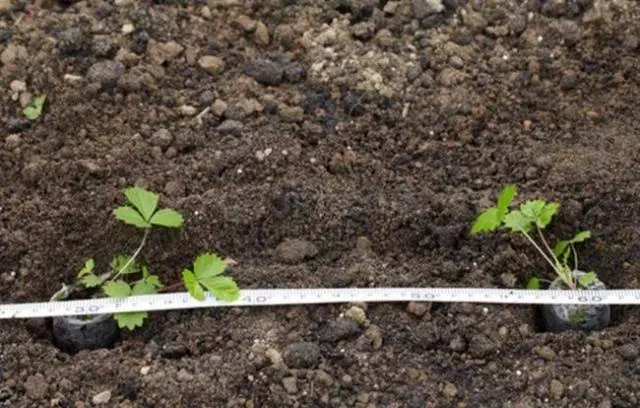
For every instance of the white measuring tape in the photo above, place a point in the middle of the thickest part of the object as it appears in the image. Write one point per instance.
(276, 297)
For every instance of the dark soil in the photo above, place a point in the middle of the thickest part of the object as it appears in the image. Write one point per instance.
(373, 130)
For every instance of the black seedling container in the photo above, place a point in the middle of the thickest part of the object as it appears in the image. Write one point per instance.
(74, 333)
(559, 318)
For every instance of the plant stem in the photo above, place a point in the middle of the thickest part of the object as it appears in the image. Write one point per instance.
(135, 254)
(555, 267)
(546, 245)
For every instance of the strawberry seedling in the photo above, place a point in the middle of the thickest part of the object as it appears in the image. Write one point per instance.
(127, 277)
(530, 219)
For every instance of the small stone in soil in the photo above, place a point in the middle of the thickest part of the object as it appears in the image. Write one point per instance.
(293, 251)
(480, 346)
(264, 71)
(36, 387)
(162, 138)
(301, 355)
(211, 64)
(546, 353)
(102, 398)
(556, 389)
(230, 126)
(339, 330)
(357, 315)
(106, 73)
(274, 356)
(418, 308)
(71, 41)
(628, 352)
(450, 391)
(290, 385)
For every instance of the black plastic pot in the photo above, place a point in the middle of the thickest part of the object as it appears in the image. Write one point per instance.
(72, 334)
(559, 318)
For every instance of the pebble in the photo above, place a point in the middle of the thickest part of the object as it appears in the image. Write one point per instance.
(36, 387)
(187, 110)
(159, 53)
(339, 330)
(18, 86)
(219, 107)
(546, 353)
(291, 113)
(294, 251)
(71, 41)
(556, 389)
(261, 35)
(13, 53)
(12, 141)
(128, 28)
(162, 138)
(480, 346)
(211, 64)
(628, 352)
(102, 46)
(418, 308)
(245, 23)
(450, 391)
(145, 370)
(102, 398)
(357, 315)
(184, 375)
(230, 126)
(424, 8)
(322, 379)
(106, 73)
(374, 334)
(301, 355)
(264, 71)
(290, 385)
(274, 356)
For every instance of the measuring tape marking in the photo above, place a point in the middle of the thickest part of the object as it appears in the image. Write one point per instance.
(281, 297)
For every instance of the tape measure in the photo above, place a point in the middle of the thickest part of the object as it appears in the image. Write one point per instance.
(280, 297)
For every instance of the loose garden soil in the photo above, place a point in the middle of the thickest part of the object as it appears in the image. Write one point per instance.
(321, 143)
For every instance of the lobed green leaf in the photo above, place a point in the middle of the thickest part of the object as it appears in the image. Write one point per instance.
(517, 222)
(533, 284)
(208, 265)
(91, 280)
(167, 218)
(130, 216)
(487, 221)
(504, 200)
(130, 320)
(87, 268)
(222, 287)
(117, 289)
(144, 201)
(34, 110)
(192, 285)
(561, 246)
(587, 279)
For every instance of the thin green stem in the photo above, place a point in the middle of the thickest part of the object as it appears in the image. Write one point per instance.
(546, 245)
(535, 244)
(135, 254)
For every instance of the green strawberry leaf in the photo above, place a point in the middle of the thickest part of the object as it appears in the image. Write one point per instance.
(130, 216)
(153, 280)
(208, 265)
(192, 285)
(130, 320)
(117, 289)
(91, 280)
(87, 269)
(504, 200)
(143, 288)
(533, 284)
(120, 261)
(517, 222)
(222, 287)
(587, 279)
(487, 221)
(34, 110)
(539, 211)
(561, 246)
(167, 218)
(144, 201)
